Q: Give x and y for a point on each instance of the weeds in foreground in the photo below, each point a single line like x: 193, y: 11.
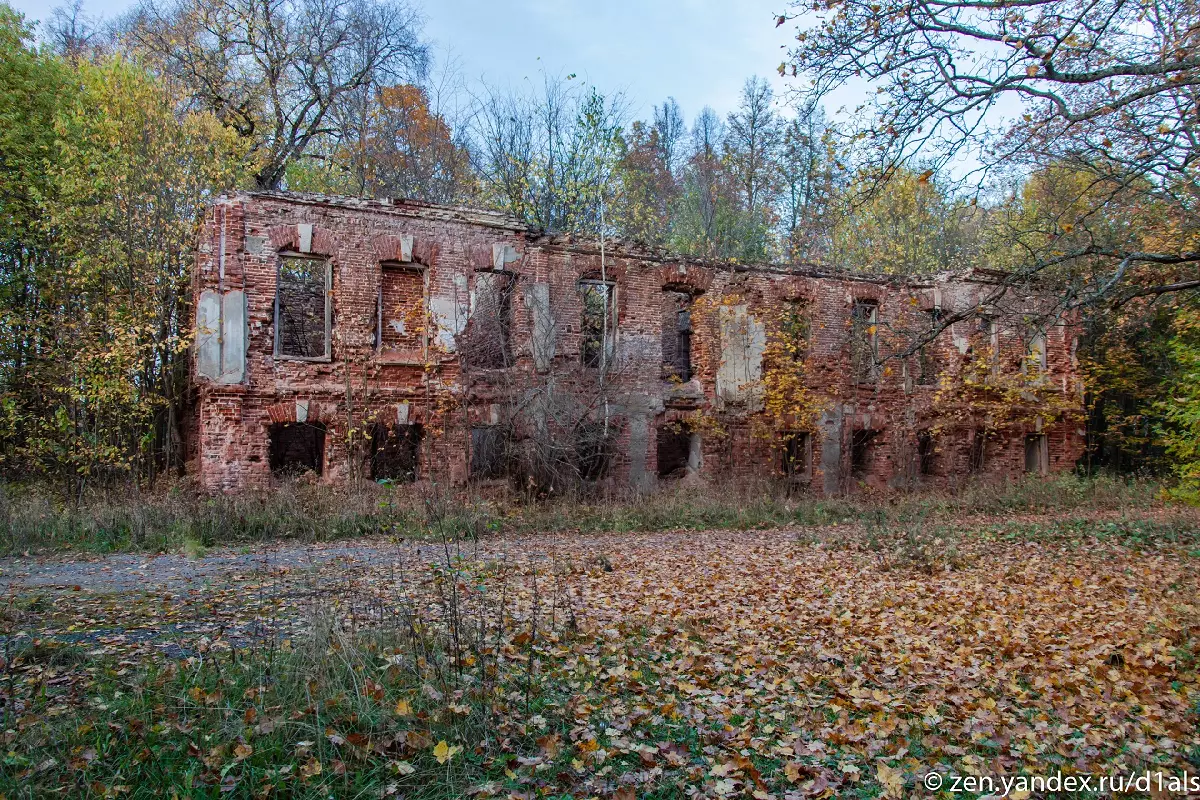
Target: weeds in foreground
x: 181, y: 520
x: 412, y: 689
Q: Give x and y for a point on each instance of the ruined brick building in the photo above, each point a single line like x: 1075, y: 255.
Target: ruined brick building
x: 403, y: 341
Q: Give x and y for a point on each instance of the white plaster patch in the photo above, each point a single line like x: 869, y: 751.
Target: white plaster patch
x: 208, y: 345
x: 450, y: 317
x: 743, y: 339
x: 233, y: 337
x: 304, y: 231
x: 503, y: 254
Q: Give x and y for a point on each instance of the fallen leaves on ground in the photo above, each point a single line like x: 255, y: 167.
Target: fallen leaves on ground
x: 764, y: 664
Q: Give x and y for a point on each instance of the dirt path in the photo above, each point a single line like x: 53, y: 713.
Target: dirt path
x: 137, y: 572
x: 169, y: 604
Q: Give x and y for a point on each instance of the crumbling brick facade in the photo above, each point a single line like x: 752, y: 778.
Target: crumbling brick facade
x: 408, y: 342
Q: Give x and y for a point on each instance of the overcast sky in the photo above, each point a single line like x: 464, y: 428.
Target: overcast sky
x: 699, y: 51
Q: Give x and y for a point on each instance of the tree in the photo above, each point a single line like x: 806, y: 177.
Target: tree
x: 752, y: 141
x: 708, y: 217
x: 648, y: 190
x: 549, y: 158
x: 395, y: 147
x: 276, y: 70
x: 33, y: 86
x: 1180, y: 408
x: 807, y: 183
x: 912, y: 227
x: 669, y: 130
x: 72, y: 33
x: 1109, y: 88
x: 93, y: 366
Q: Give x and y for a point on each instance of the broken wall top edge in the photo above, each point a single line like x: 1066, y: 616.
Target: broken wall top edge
x: 614, y: 247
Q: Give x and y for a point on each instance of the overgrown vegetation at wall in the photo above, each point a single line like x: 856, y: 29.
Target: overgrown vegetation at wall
x: 305, y: 512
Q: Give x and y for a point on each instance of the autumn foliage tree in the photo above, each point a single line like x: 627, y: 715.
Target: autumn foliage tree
x: 1108, y: 89
x: 391, y: 144
x: 94, y: 349
x: 277, y: 71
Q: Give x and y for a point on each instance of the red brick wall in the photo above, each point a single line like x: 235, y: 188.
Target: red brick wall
x: 413, y: 376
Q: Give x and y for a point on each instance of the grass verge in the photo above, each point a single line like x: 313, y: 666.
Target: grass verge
x: 181, y: 520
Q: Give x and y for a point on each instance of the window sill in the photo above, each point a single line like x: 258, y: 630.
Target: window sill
x: 305, y: 359
x: 404, y: 358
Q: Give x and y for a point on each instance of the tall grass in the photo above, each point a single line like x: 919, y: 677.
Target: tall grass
x: 33, y: 518
x: 420, y: 693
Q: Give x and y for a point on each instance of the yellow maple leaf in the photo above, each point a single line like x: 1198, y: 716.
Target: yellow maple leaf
x: 403, y: 708
x: 443, y: 752
x: 891, y: 779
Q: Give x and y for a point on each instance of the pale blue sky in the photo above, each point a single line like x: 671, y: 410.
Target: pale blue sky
x: 699, y: 51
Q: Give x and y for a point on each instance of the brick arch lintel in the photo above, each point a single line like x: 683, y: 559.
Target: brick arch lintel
x: 390, y: 414
x: 672, y: 415
x: 389, y: 247
x: 291, y: 237
x: 686, y: 278
x: 291, y: 410
x: 794, y: 289
x: 589, y: 269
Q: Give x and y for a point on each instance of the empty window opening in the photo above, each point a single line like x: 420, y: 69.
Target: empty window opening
x: 674, y: 451
x: 487, y: 342
x: 296, y: 448
x: 795, y: 462
x: 1037, y: 456
x: 989, y: 329
x: 864, y: 340
x: 489, y: 452
x: 926, y: 355
x: 926, y: 454
x: 677, y: 334
x: 862, y: 452
x: 797, y: 329
x: 401, y: 324
x: 1036, y: 351
x: 978, y: 452
x: 598, y: 324
x: 395, y: 452
x: 302, y: 310
x: 593, y: 450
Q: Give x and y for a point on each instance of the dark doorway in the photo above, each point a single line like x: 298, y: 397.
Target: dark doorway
x: 489, y: 452
x: 795, y: 457
x: 674, y: 449
x: 926, y: 453
x: 1037, y: 457
x: 395, y: 452
x: 978, y: 452
x: 862, y: 452
x: 296, y: 447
